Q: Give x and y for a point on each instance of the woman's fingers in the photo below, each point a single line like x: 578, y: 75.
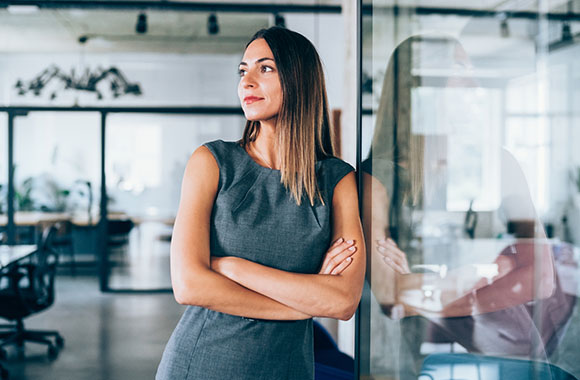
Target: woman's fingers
x: 400, y: 269
x: 342, y: 266
x: 393, y: 256
x: 337, y: 242
x: 335, y: 249
x: 338, y: 259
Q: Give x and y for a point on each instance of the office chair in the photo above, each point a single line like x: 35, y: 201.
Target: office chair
x: 329, y: 362
x: 118, y: 238
x: 62, y: 242
x: 29, y: 289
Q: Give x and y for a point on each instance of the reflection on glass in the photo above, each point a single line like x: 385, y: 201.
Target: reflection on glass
x: 472, y: 259
x: 145, y: 158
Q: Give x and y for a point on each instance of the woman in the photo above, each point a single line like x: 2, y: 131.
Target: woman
x: 251, y: 252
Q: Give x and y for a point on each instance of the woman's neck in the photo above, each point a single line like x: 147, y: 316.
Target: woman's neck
x: 265, y: 145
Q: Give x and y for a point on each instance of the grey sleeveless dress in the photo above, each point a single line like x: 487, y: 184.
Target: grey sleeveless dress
x: 255, y: 218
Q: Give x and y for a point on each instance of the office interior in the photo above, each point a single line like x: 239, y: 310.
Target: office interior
x: 460, y: 117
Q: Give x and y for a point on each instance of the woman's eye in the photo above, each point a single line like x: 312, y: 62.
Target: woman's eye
x: 267, y: 69
x: 241, y: 72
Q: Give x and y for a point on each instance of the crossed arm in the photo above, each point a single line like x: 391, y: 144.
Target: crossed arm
x: 240, y: 287
x: 525, y: 275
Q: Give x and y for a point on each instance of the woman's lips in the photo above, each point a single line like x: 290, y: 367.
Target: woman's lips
x: 251, y: 99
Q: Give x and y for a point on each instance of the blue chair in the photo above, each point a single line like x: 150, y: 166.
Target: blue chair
x: 329, y: 362
x: 478, y: 367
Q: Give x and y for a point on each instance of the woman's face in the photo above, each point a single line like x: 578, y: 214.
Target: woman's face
x: 259, y: 89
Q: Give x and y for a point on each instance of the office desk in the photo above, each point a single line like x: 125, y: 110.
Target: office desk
x: 33, y: 218
x: 12, y: 253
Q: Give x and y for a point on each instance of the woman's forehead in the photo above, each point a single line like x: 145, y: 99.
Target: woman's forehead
x: 257, y: 50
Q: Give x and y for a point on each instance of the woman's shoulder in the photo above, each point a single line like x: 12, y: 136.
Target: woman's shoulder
x: 229, y: 157
x: 226, y: 153
x: 221, y: 148
x: 331, y: 170
x: 335, y: 165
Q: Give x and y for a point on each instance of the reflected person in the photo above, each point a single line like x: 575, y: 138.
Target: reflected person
x: 404, y: 181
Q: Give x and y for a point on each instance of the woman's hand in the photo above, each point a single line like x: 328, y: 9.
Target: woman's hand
x: 393, y: 256
x: 338, y: 257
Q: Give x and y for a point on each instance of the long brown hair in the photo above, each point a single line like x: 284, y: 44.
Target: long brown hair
x: 302, y: 127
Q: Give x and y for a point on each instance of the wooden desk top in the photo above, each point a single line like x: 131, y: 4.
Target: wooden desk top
x: 33, y: 218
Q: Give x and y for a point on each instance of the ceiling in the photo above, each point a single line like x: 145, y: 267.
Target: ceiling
x: 172, y: 31
x: 59, y: 30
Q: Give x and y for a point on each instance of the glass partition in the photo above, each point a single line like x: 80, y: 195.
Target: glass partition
x: 470, y: 182
x: 146, y: 155
x: 57, y: 176
x: 3, y: 176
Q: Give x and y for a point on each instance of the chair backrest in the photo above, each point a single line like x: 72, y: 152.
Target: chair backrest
x: 119, y: 227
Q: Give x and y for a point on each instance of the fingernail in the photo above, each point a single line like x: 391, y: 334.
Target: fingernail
x: 339, y: 240
x: 381, y: 249
x: 349, y: 259
x: 350, y: 241
x: 352, y: 248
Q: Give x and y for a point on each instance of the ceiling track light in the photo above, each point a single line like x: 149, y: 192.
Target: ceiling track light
x: 566, y: 32
x: 504, y: 30
x: 22, y: 9
x: 213, y: 27
x: 279, y: 20
x: 141, y: 26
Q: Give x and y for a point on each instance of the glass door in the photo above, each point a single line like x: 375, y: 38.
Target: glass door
x: 470, y: 186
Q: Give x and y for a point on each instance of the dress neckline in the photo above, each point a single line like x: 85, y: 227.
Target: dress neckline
x: 254, y: 161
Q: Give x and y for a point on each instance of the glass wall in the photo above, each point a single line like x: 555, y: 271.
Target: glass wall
x: 57, y: 178
x: 3, y: 175
x: 145, y: 158
x: 470, y: 182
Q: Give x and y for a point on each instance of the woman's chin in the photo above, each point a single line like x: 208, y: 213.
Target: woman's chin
x: 259, y: 117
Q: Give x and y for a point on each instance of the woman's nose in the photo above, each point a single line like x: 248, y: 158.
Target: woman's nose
x: 248, y: 80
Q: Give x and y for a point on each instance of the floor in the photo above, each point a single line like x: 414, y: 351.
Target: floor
x: 108, y: 336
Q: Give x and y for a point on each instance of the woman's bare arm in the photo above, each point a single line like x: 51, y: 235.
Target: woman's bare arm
x: 321, y: 295
x: 194, y: 283
x: 383, y: 277
x: 531, y: 276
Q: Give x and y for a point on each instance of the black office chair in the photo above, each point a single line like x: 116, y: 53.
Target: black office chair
x: 118, y: 239
x: 63, y: 243
x: 29, y: 289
